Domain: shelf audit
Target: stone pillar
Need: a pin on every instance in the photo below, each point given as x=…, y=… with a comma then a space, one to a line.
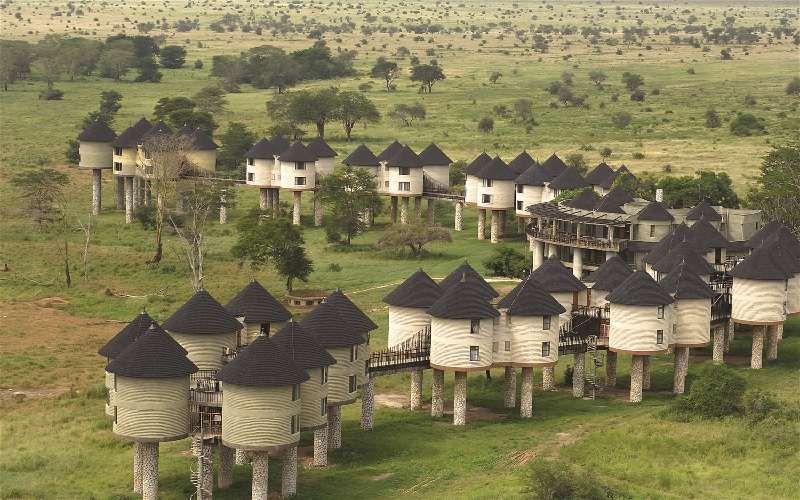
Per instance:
x=548, y=378
x=225, y=472
x=780, y=331
x=137, y=467
x=260, y=465
x=317, y=211
x=321, y=446
x=208, y=469
x=97, y=191
x=289, y=472
x=404, y=210
x=481, y=224
x=367, y=217
x=128, y=200
x=681, y=367
x=149, y=465
x=296, y=207
x=719, y=346
x=460, y=399
x=494, y=233
x=646, y=373
x=431, y=211
x=241, y=457
x=526, y=396
x=276, y=201
x=538, y=253
x=367, y=405
x=758, y=347
x=458, y=223
x=415, y=396
x=611, y=369
x=418, y=207
x=223, y=210
x=393, y=207
x=577, y=262
x=578, y=375
x=119, y=192
x=637, y=363
x=510, y=385
x=136, y=194
x=334, y=427
x=772, y=342
x=437, y=393
x=264, y=201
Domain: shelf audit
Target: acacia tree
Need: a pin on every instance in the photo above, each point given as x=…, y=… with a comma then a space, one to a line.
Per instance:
x=412, y=236
x=41, y=188
x=348, y=193
x=427, y=75
x=199, y=202
x=407, y=113
x=306, y=107
x=386, y=70
x=355, y=107
x=598, y=77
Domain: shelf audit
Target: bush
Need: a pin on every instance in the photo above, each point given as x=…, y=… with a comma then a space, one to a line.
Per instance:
x=746, y=124
x=486, y=125
x=334, y=267
x=552, y=480
x=758, y=405
x=793, y=87
x=749, y=100
x=146, y=216
x=332, y=234
x=621, y=119
x=638, y=155
x=568, y=373
x=638, y=95
x=198, y=64
x=713, y=119
x=51, y=95
x=716, y=393
x=506, y=261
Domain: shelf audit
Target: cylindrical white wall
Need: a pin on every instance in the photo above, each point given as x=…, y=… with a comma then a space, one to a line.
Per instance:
x=205, y=350
x=692, y=320
x=95, y=154
x=633, y=329
x=501, y=195
x=414, y=178
x=313, y=413
x=502, y=343
x=758, y=302
x=151, y=409
x=451, y=341
x=339, y=376
x=258, y=418
x=405, y=322
x=471, y=185
x=530, y=195
x=264, y=173
x=290, y=174
x=528, y=334
x=127, y=162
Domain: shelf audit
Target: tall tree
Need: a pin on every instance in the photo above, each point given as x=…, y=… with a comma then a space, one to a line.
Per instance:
x=386, y=70
x=16, y=60
x=200, y=201
x=236, y=141
x=776, y=189
x=427, y=75
x=355, y=107
x=211, y=99
x=117, y=59
x=41, y=187
x=349, y=193
x=306, y=107
x=172, y=56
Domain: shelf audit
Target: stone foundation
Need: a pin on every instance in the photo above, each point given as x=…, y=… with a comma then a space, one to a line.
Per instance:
x=367, y=405
x=260, y=466
x=119, y=192
x=773, y=337
x=611, y=369
x=289, y=472
x=460, y=399
x=526, y=396
x=494, y=232
x=481, y=224
x=681, y=367
x=510, y=385
x=637, y=367
x=317, y=211
x=458, y=223
x=264, y=203
x=225, y=472
x=579, y=375
x=297, y=198
x=548, y=378
x=646, y=373
x=137, y=467
x=404, y=210
x=758, y=347
x=718, y=353
x=241, y=457
x=437, y=393
x=149, y=465
x=393, y=209
x=334, y=427
x=321, y=447
x=415, y=396
x=128, y=200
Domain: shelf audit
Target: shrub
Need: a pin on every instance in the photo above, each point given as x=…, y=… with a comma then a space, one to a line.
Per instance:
x=146, y=215
x=638, y=95
x=638, y=155
x=621, y=119
x=51, y=95
x=198, y=64
x=486, y=125
x=553, y=479
x=332, y=235
x=334, y=267
x=749, y=100
x=713, y=119
x=746, y=124
x=758, y=405
x=605, y=153
x=793, y=87
x=506, y=261
x=716, y=393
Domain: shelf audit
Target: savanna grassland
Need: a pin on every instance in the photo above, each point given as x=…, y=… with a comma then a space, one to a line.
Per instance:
x=57, y=444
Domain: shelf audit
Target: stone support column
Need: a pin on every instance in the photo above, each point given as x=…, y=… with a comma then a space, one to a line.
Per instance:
x=756, y=354
x=260, y=466
x=368, y=405
x=437, y=393
x=149, y=465
x=577, y=262
x=223, y=209
x=97, y=190
x=772, y=342
x=207, y=464
x=137, y=467
x=494, y=233
x=276, y=201
x=548, y=378
x=415, y=396
x=321, y=446
x=418, y=207
x=481, y=224
x=718, y=353
x=611, y=369
x=225, y=472
x=538, y=253
x=431, y=211
x=458, y=223
x=404, y=210
x=119, y=192
x=264, y=201
x=334, y=427
x=460, y=399
x=128, y=200
x=297, y=198
x=137, y=194
x=637, y=364
x=241, y=457
x=393, y=207
x=317, y=211
x=510, y=386
x=646, y=373
x=578, y=375
x=289, y=472
x=679, y=372
x=526, y=395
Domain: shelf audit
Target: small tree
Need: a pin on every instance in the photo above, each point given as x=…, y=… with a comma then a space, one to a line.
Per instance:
x=605, y=153
x=776, y=188
x=348, y=193
x=388, y=71
x=148, y=71
x=456, y=173
x=713, y=119
x=793, y=87
x=576, y=160
x=486, y=125
x=717, y=392
x=117, y=59
x=172, y=56
x=355, y=107
x=508, y=262
x=412, y=236
x=725, y=54
x=494, y=77
x=407, y=113
x=211, y=99
x=236, y=141
x=632, y=81
x=598, y=77
x=746, y=124
x=199, y=202
x=41, y=187
x=621, y=119
x=427, y=75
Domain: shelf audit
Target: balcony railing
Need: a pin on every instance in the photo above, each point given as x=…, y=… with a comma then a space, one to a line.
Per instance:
x=569, y=239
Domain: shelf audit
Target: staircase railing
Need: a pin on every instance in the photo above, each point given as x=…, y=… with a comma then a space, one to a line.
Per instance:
x=413, y=352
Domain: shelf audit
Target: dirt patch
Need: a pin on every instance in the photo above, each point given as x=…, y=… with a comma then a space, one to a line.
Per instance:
x=55, y=302
x=26, y=394
x=382, y=477
x=549, y=449
x=392, y=400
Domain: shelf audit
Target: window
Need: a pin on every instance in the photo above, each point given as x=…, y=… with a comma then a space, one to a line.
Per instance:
x=546, y=322
x=295, y=392
x=494, y=346
x=474, y=326
x=300, y=165
x=352, y=384
x=251, y=161
x=660, y=312
x=545, y=349
x=507, y=346
x=404, y=186
x=519, y=205
x=652, y=230
x=294, y=424
x=265, y=329
x=323, y=379
x=487, y=198
x=117, y=166
x=487, y=183
x=474, y=353
x=520, y=188
x=300, y=181
x=386, y=184
x=118, y=152
x=251, y=176
x=405, y=171
x=353, y=352
x=323, y=406
x=659, y=336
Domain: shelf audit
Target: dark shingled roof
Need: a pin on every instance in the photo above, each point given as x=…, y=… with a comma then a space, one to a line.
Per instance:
x=257, y=305
x=351, y=312
x=535, y=175
x=521, y=163
x=154, y=355
x=202, y=314
x=131, y=136
x=554, y=166
x=599, y=173
x=263, y=363
x=655, y=210
x=433, y=156
x=298, y=152
x=610, y=274
x=762, y=264
x=682, y=283
x=472, y=275
x=477, y=164
x=703, y=211
x=362, y=156
x=497, y=170
x=321, y=148
x=639, y=246
x=201, y=141
x=529, y=299
x=672, y=239
x=463, y=300
x=786, y=251
x=586, y=200
x=569, y=179
x=279, y=144
x=160, y=128
x=609, y=181
x=684, y=251
x=126, y=336
x=405, y=157
x=261, y=150
x=304, y=350
x=763, y=233
x=391, y=150
x=329, y=328
x=97, y=132
x=704, y=236
x=617, y=197
x=554, y=276
x=640, y=289
x=418, y=291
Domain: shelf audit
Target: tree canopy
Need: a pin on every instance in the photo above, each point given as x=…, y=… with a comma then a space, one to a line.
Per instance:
x=427, y=75
x=349, y=193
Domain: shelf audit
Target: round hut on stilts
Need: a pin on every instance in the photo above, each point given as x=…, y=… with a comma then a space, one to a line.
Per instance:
x=261, y=410
x=408, y=318
x=96, y=154
x=640, y=324
x=151, y=403
x=258, y=311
